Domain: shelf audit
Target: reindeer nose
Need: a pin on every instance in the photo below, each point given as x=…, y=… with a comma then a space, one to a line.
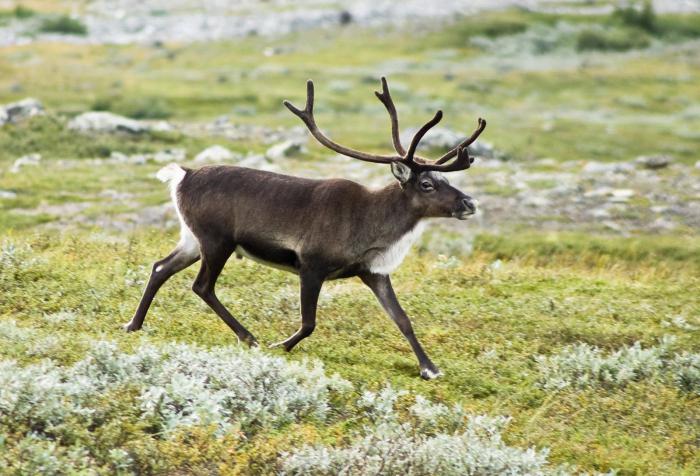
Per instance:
x=469, y=205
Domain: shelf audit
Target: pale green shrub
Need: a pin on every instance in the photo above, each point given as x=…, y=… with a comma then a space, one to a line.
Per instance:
x=175, y=387
x=467, y=445
x=583, y=365
x=685, y=370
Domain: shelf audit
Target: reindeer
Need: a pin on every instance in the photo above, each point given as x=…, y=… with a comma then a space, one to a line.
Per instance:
x=318, y=229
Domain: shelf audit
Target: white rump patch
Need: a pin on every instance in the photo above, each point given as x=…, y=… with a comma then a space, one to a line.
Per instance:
x=173, y=175
x=388, y=260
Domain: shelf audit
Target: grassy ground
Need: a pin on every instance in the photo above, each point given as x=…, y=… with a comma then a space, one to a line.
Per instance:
x=482, y=317
x=588, y=108
x=482, y=325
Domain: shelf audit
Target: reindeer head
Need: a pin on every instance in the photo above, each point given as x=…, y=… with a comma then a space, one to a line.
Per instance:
x=420, y=179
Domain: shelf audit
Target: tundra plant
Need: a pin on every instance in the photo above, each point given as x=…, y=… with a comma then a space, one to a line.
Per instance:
x=466, y=445
x=45, y=407
x=582, y=365
x=685, y=370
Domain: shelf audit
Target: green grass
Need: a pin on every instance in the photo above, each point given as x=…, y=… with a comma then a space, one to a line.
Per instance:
x=548, y=293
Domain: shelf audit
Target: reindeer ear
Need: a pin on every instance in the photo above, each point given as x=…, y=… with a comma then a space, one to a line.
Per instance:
x=401, y=171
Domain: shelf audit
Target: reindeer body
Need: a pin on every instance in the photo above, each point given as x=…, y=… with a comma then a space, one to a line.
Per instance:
x=288, y=222
x=318, y=229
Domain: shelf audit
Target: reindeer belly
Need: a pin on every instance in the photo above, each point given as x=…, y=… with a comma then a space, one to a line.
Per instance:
x=279, y=258
x=386, y=260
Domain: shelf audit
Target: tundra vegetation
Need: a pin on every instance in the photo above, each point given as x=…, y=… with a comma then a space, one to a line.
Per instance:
x=565, y=318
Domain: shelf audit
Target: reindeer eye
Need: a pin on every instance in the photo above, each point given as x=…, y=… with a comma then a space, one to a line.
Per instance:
x=427, y=186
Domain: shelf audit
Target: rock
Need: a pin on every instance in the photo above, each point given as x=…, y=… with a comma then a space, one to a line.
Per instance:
x=7, y=195
x=662, y=224
x=159, y=126
x=27, y=160
x=254, y=162
x=102, y=121
x=537, y=201
x=118, y=157
x=284, y=149
x=170, y=155
x=598, y=192
x=20, y=110
x=215, y=153
x=653, y=162
x=594, y=167
x=444, y=138
x=621, y=195
x=697, y=164
x=345, y=17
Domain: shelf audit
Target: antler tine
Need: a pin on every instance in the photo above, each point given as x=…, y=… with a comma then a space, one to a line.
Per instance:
x=408, y=156
x=385, y=98
x=463, y=162
x=464, y=143
x=307, y=116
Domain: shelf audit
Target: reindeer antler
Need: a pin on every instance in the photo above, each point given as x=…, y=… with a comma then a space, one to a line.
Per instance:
x=408, y=158
x=385, y=98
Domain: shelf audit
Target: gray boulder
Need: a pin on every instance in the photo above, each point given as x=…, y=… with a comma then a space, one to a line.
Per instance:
x=20, y=110
x=102, y=121
x=653, y=162
x=215, y=153
x=284, y=149
x=444, y=138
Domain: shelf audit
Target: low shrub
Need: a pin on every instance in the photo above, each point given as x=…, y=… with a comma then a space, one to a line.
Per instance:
x=50, y=410
x=642, y=17
x=435, y=440
x=613, y=40
x=583, y=365
x=685, y=371
x=63, y=24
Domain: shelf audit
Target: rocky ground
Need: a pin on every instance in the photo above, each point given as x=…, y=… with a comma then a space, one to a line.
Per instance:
x=649, y=194
x=130, y=21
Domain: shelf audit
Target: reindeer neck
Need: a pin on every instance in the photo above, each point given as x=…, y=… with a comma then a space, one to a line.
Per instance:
x=396, y=216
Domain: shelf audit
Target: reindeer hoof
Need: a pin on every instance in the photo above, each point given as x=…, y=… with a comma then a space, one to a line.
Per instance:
x=130, y=327
x=283, y=344
x=430, y=374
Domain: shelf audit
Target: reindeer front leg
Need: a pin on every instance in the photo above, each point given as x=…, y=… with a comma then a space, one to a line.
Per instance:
x=380, y=284
x=311, y=283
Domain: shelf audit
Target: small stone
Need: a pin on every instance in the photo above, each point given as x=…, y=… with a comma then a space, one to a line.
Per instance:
x=653, y=162
x=594, y=167
x=118, y=157
x=7, y=195
x=215, y=153
x=284, y=149
x=621, y=195
x=537, y=201
x=663, y=224
x=170, y=155
x=27, y=160
x=255, y=162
